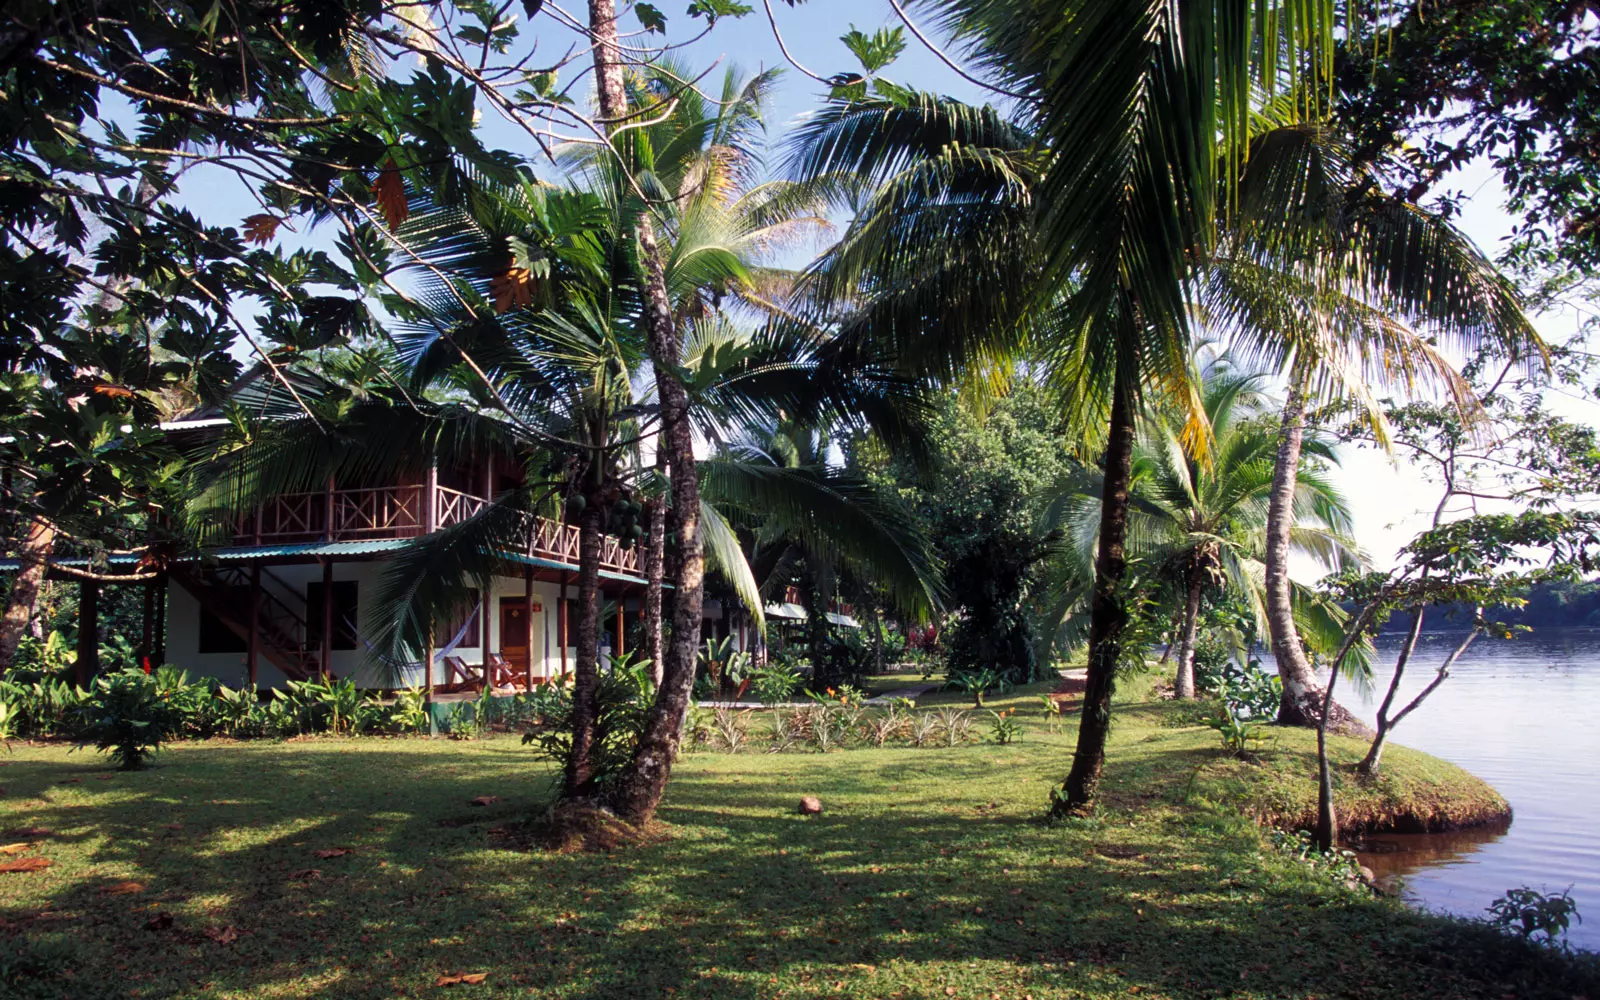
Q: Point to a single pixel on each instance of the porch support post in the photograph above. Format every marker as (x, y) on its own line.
(327, 617)
(253, 654)
(427, 678)
(622, 628)
(561, 625)
(484, 604)
(327, 511)
(159, 651)
(527, 619)
(88, 632)
(430, 500)
(147, 621)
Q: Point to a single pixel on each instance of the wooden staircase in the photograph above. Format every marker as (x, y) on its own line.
(281, 626)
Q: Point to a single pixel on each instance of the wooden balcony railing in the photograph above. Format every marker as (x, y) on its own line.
(380, 512)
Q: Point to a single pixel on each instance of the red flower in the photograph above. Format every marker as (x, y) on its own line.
(147, 664)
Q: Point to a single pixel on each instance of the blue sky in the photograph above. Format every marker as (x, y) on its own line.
(1388, 497)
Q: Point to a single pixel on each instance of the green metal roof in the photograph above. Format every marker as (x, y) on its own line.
(313, 549)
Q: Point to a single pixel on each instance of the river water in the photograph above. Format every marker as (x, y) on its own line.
(1524, 715)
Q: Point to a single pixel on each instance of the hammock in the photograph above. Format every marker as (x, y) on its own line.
(398, 668)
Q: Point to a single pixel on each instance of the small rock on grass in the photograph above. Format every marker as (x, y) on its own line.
(810, 806)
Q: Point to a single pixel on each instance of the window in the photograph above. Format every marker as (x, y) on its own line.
(453, 625)
(215, 635)
(344, 615)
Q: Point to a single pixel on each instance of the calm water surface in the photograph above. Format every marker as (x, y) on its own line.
(1524, 715)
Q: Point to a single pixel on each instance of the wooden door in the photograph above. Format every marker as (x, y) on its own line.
(514, 634)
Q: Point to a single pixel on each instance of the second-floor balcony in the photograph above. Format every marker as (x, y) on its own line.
(340, 514)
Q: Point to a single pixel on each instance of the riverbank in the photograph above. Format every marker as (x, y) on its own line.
(357, 868)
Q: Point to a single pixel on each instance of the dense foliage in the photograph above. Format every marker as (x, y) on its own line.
(981, 502)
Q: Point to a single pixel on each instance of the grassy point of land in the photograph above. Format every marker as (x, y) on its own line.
(357, 868)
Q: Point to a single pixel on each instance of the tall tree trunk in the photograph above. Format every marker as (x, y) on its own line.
(877, 636)
(655, 561)
(639, 788)
(24, 594)
(1183, 687)
(87, 665)
(1302, 693)
(1108, 614)
(1369, 763)
(586, 673)
(1327, 832)
(816, 605)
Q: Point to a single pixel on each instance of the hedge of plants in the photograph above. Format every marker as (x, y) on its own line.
(130, 713)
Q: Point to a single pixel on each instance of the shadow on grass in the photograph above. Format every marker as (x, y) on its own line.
(927, 875)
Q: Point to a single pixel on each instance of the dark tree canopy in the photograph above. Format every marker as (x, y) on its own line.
(1514, 81)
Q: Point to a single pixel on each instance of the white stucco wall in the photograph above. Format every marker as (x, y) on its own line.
(183, 631)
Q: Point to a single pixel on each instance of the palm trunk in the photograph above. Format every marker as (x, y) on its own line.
(24, 595)
(1108, 614)
(1183, 687)
(586, 673)
(655, 562)
(640, 787)
(1302, 693)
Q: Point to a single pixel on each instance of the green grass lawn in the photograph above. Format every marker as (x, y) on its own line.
(928, 875)
(896, 680)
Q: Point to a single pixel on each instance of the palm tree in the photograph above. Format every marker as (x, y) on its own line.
(1343, 287)
(1134, 118)
(823, 525)
(1207, 518)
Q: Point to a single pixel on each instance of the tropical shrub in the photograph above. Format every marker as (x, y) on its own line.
(1535, 916)
(1240, 737)
(326, 705)
(45, 707)
(128, 716)
(240, 714)
(1338, 866)
(8, 721)
(729, 729)
(409, 713)
(979, 682)
(1052, 712)
(1003, 728)
(623, 697)
(956, 725)
(775, 682)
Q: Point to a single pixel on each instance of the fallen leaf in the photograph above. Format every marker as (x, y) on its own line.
(484, 800)
(24, 865)
(122, 888)
(222, 935)
(390, 191)
(160, 922)
(174, 826)
(261, 227)
(33, 832)
(15, 848)
(306, 873)
(72, 781)
(470, 978)
(332, 852)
